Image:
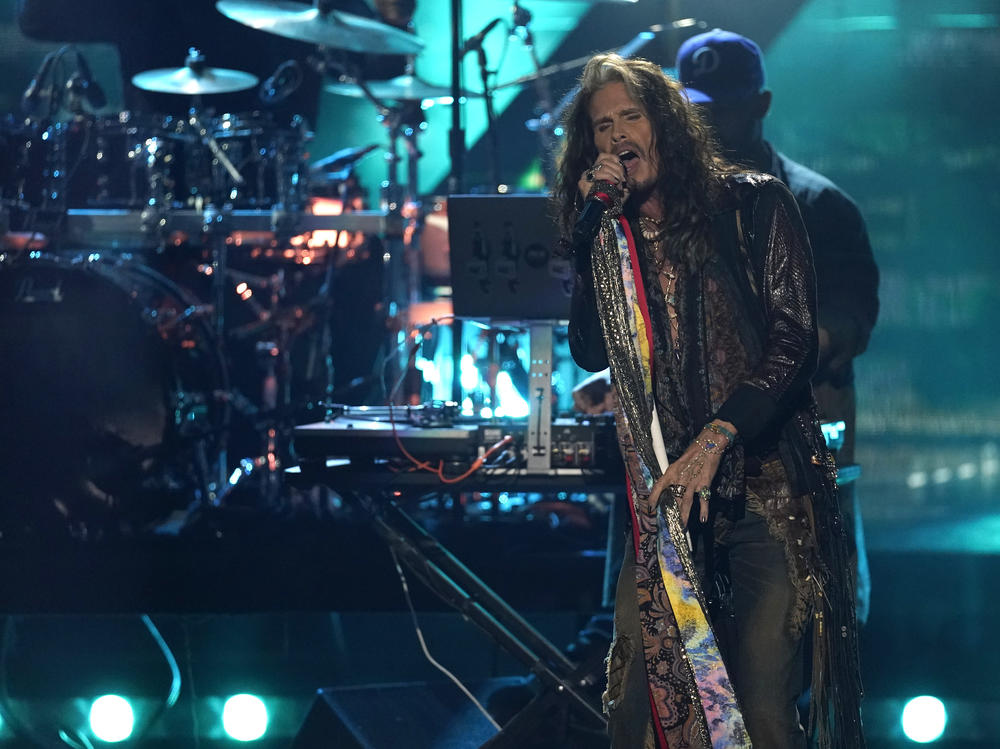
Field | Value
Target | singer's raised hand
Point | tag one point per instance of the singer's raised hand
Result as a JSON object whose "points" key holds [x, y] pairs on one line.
{"points": [[606, 167]]}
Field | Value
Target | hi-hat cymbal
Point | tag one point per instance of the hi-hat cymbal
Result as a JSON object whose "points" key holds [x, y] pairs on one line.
{"points": [[332, 28], [192, 82], [401, 88]]}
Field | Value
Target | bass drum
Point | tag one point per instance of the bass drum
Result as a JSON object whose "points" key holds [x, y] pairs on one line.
{"points": [[112, 385]]}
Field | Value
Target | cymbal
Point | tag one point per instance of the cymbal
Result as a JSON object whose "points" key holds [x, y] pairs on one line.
{"points": [[188, 80], [401, 88], [334, 28]]}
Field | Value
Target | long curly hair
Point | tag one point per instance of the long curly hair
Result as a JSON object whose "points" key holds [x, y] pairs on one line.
{"points": [[690, 173]]}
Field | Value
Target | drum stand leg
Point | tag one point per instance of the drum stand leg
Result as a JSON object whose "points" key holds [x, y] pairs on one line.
{"points": [[215, 228]]}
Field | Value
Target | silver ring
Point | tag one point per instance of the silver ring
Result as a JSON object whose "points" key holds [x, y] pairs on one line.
{"points": [[589, 175], [704, 494], [677, 490]]}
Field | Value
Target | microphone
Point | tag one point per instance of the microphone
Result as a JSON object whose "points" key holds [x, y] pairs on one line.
{"points": [[283, 82], [34, 89], [476, 41], [90, 89], [603, 196]]}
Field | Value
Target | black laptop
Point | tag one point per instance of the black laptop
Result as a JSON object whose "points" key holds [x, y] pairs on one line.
{"points": [[504, 259]]}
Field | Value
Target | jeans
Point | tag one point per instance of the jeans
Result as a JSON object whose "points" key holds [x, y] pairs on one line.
{"points": [[764, 658]]}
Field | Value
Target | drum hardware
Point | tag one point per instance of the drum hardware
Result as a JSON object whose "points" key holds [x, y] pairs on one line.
{"points": [[321, 24], [275, 419], [143, 212], [273, 355]]}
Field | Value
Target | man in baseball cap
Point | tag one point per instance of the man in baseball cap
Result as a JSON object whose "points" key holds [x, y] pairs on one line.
{"points": [[720, 66], [723, 73]]}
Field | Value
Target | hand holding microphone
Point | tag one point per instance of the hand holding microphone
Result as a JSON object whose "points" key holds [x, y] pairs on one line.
{"points": [[606, 168], [604, 188]]}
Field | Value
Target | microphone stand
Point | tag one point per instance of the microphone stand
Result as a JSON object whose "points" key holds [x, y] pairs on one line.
{"points": [[545, 124], [456, 140], [491, 129]]}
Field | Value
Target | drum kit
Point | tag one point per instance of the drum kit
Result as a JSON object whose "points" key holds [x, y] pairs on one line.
{"points": [[167, 285]]}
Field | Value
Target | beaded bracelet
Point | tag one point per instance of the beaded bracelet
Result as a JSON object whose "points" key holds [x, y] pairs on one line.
{"points": [[721, 430]]}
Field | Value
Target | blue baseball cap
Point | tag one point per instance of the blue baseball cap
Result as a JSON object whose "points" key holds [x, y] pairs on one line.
{"points": [[720, 67]]}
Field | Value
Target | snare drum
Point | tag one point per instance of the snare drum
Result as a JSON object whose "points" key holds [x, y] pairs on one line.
{"points": [[269, 159]]}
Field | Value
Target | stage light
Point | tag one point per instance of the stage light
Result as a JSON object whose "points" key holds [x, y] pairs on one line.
{"points": [[924, 719], [244, 717], [111, 718]]}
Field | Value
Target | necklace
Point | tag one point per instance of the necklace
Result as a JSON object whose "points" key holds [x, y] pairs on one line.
{"points": [[669, 284], [651, 229]]}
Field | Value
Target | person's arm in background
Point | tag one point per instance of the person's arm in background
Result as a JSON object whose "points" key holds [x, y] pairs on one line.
{"points": [[846, 282], [595, 395]]}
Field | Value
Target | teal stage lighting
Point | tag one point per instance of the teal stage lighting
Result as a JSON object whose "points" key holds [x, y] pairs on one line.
{"points": [[244, 717], [924, 719], [112, 718]]}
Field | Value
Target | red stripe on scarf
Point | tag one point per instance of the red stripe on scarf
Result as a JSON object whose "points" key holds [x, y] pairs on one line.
{"points": [[640, 289]]}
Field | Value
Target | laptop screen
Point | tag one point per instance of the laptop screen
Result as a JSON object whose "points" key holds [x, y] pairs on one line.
{"points": [[504, 260]]}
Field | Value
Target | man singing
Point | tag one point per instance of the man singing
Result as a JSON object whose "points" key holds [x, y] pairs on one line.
{"points": [[696, 287]]}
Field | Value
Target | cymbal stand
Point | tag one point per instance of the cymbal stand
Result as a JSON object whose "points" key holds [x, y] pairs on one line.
{"points": [[413, 123], [401, 275], [215, 229]]}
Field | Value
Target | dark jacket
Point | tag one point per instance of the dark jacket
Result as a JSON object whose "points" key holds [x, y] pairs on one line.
{"points": [[780, 312]]}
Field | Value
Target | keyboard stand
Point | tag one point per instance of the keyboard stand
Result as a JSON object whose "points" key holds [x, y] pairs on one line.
{"points": [[560, 712]]}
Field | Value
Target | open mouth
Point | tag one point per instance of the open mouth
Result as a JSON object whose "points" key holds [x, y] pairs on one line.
{"points": [[628, 159]]}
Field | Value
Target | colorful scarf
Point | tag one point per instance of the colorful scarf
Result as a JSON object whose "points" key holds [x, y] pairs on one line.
{"points": [[690, 692]]}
